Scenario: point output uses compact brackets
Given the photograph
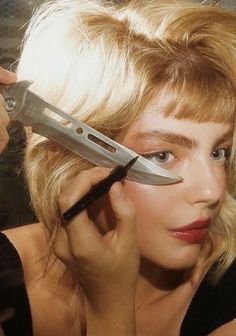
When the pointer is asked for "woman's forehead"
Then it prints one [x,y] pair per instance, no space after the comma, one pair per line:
[154,126]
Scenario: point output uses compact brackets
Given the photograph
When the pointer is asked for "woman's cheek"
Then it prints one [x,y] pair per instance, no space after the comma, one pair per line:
[149,199]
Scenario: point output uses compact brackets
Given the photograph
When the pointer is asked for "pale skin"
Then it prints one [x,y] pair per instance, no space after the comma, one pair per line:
[123,294]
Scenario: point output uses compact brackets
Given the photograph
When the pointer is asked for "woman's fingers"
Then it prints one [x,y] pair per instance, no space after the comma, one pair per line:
[99,261]
[84,181]
[82,233]
[124,210]
[60,245]
[7,77]
[4,118]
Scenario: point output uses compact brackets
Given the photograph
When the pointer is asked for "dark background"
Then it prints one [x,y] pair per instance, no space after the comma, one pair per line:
[15,206]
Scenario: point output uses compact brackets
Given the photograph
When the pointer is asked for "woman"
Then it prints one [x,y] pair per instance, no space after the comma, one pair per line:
[160,78]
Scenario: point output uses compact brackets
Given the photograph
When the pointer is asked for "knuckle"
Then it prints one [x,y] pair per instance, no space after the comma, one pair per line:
[82,254]
[87,176]
[77,183]
[127,216]
[128,211]
[100,170]
[59,252]
[64,201]
[79,254]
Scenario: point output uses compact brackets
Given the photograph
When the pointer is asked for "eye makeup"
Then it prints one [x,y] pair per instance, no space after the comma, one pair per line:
[161,157]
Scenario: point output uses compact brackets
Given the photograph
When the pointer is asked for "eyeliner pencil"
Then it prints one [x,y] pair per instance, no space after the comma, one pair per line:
[98,190]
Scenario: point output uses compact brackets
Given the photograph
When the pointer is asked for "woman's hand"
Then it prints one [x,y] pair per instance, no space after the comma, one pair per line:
[106,266]
[6,77]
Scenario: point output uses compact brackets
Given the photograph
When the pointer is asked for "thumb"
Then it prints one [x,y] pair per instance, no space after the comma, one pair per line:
[124,211]
[7,77]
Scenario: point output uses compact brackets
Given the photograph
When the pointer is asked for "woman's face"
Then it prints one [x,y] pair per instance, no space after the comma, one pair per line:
[195,151]
[198,153]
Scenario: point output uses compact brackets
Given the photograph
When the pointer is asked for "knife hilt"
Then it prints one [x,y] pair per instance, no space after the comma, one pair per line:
[14,96]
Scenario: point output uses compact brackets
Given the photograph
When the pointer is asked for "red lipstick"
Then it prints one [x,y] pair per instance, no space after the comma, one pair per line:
[193,232]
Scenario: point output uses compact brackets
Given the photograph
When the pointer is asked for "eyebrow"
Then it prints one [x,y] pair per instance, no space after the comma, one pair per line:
[179,139]
[223,138]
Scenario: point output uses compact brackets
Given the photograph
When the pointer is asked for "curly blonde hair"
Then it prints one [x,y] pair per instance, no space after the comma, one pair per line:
[103,63]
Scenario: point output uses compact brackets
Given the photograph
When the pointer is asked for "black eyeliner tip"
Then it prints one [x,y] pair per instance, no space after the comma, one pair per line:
[130,163]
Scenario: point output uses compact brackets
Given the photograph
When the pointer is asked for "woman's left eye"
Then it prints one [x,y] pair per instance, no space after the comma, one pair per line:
[220,154]
[160,157]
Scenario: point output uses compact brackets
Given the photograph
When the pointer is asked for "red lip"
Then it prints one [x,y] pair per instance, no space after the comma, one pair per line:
[193,232]
[198,224]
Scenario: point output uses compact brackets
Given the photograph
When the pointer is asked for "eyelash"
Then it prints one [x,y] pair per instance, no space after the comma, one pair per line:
[227,152]
[154,155]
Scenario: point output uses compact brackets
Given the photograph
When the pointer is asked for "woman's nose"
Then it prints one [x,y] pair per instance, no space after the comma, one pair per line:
[206,183]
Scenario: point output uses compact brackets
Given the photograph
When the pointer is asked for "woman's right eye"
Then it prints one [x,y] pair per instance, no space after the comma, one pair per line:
[161,157]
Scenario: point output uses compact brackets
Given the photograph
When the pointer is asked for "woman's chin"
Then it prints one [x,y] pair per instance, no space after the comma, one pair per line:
[180,259]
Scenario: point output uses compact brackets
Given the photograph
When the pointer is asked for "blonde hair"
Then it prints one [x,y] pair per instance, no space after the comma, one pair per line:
[103,63]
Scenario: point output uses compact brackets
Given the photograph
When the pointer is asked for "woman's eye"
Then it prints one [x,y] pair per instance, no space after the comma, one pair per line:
[160,157]
[220,154]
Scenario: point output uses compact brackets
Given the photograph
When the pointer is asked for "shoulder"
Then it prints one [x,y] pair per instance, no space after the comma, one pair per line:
[53,286]
[13,292]
[31,245]
[26,237]
[29,242]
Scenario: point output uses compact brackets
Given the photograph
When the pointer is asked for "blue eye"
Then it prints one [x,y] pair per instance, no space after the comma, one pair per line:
[220,154]
[159,157]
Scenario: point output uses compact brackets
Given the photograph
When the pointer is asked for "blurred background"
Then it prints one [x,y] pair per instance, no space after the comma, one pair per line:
[15,208]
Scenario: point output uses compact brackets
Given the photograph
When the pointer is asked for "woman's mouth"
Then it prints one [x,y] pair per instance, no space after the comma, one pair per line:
[193,232]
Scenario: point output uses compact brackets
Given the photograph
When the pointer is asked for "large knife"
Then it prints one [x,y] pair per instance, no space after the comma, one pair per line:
[32,110]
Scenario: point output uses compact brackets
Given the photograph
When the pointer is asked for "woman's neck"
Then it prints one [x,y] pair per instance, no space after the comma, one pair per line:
[154,282]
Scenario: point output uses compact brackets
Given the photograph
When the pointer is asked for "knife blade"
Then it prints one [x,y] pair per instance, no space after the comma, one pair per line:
[31,110]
